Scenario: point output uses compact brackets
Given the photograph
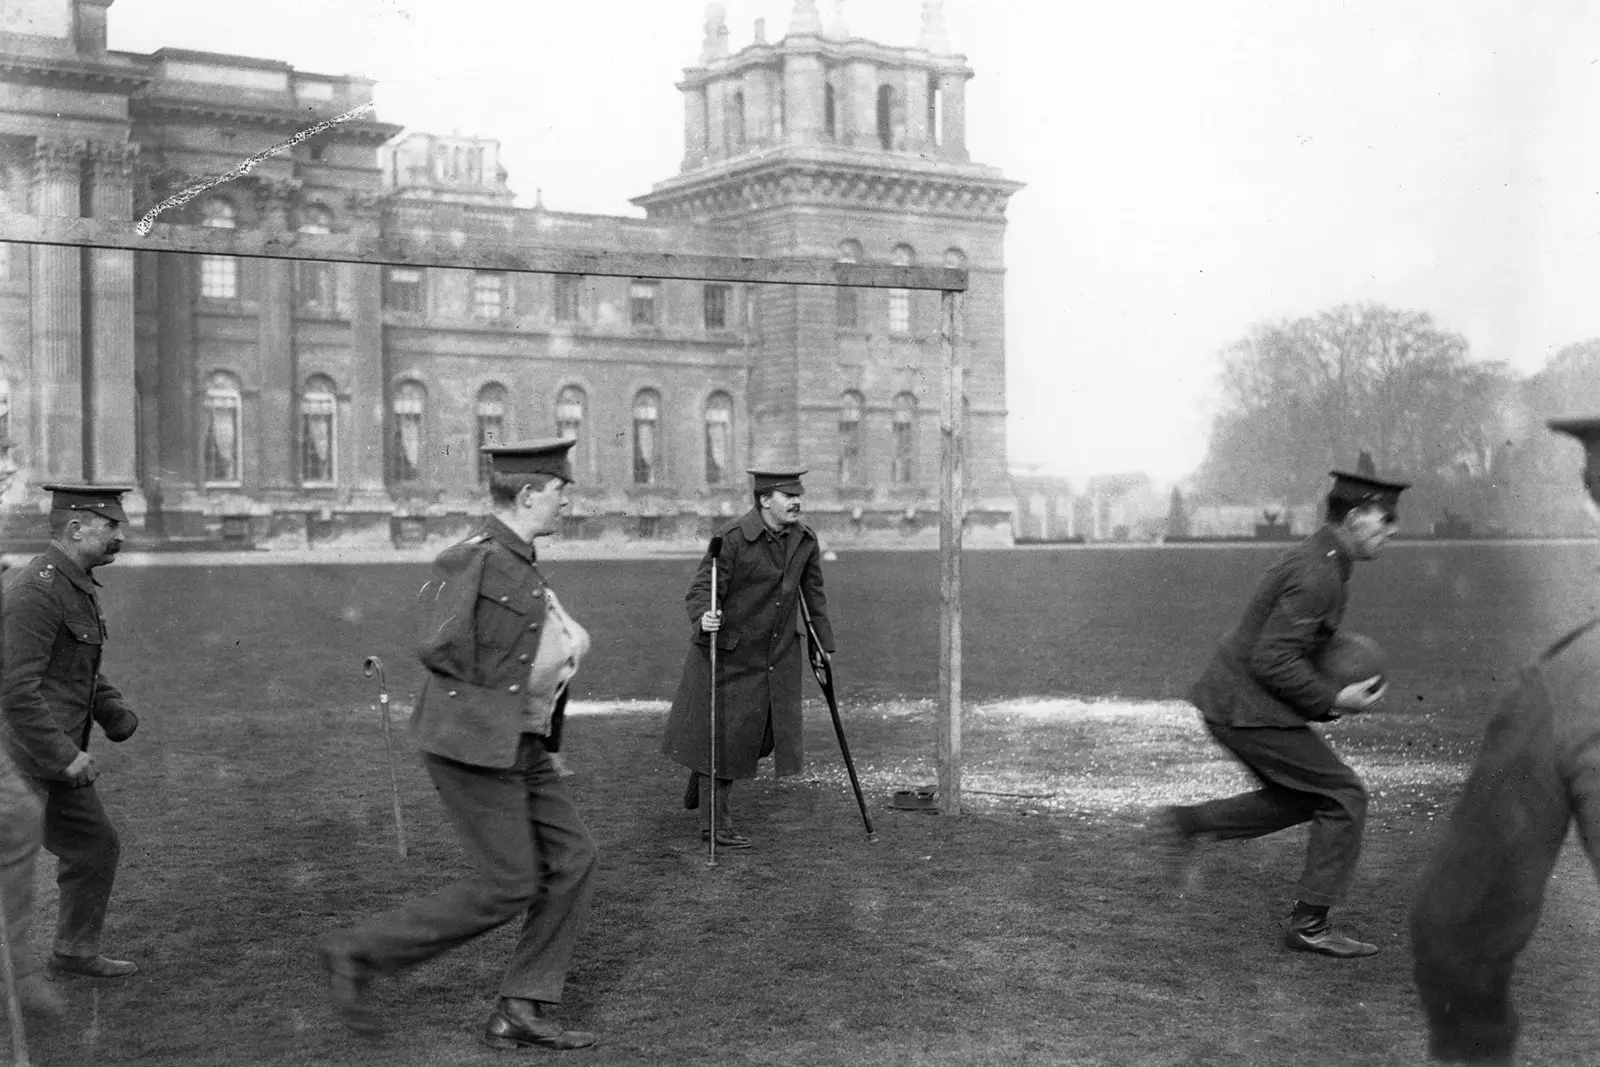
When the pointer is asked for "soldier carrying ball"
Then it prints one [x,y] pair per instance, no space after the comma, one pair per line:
[1261,692]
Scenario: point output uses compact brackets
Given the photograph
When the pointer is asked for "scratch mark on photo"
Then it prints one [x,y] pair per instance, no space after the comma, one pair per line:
[178,199]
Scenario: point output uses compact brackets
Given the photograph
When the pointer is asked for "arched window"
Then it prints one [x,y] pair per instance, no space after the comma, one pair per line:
[886,115]
[219,275]
[491,424]
[850,412]
[847,302]
[902,469]
[646,436]
[409,406]
[222,444]
[900,299]
[319,436]
[314,281]
[570,403]
[719,438]
[954,258]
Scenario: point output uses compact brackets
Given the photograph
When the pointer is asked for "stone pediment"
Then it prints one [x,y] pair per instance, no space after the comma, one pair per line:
[966,192]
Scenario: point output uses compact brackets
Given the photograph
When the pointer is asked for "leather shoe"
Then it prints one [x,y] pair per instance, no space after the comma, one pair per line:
[727,837]
[91,966]
[1320,937]
[518,1023]
[348,979]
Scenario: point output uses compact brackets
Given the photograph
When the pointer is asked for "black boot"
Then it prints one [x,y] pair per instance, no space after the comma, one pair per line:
[1308,930]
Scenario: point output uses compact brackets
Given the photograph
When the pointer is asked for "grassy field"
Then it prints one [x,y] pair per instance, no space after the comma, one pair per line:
[255,814]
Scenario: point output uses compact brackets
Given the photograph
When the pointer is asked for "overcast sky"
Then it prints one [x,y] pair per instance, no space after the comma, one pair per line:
[1193,166]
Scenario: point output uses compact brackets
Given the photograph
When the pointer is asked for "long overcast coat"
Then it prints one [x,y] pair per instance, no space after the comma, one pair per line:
[760,652]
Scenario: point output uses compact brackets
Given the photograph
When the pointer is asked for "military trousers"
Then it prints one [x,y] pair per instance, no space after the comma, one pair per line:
[78,832]
[1301,781]
[21,834]
[533,859]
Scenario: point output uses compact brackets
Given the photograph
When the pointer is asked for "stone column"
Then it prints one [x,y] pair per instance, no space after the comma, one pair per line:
[694,125]
[361,457]
[859,106]
[919,135]
[803,86]
[55,445]
[275,444]
[954,86]
[110,398]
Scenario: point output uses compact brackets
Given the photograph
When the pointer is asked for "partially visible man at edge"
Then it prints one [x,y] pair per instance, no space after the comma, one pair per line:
[51,692]
[1538,770]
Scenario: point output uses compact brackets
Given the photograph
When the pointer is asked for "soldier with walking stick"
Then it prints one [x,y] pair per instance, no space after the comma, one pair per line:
[765,563]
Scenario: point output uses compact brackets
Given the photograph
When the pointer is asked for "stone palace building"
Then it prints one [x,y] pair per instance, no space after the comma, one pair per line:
[293,403]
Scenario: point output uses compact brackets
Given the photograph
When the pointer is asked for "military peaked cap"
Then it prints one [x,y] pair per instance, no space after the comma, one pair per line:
[532,457]
[782,481]
[105,500]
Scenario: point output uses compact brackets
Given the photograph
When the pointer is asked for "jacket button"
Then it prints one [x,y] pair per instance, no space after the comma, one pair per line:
[504,599]
[515,688]
[523,658]
[533,626]
[452,692]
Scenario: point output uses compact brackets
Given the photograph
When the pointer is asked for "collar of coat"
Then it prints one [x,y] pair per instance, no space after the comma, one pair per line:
[501,534]
[752,526]
[1329,546]
[74,573]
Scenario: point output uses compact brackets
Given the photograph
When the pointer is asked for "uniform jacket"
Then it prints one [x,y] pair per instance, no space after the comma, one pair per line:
[760,651]
[1261,673]
[51,689]
[1479,896]
[486,613]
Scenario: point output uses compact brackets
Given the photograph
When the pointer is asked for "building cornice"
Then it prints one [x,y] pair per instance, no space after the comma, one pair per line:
[853,49]
[168,110]
[71,74]
[830,180]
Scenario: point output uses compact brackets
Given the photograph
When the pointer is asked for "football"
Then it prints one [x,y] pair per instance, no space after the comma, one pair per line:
[1348,658]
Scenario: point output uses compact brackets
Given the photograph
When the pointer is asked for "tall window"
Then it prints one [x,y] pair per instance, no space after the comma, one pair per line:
[642,303]
[850,438]
[219,275]
[886,116]
[905,439]
[566,295]
[646,436]
[488,294]
[313,281]
[830,121]
[318,432]
[847,307]
[221,421]
[717,299]
[719,437]
[410,403]
[491,424]
[935,110]
[569,412]
[900,299]
[403,290]
[8,203]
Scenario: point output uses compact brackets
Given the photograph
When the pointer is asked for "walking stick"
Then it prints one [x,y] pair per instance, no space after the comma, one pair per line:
[715,552]
[19,1042]
[372,666]
[822,667]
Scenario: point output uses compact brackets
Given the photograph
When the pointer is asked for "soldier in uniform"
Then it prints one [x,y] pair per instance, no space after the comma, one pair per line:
[769,559]
[51,693]
[500,652]
[1537,772]
[1259,695]
[21,835]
